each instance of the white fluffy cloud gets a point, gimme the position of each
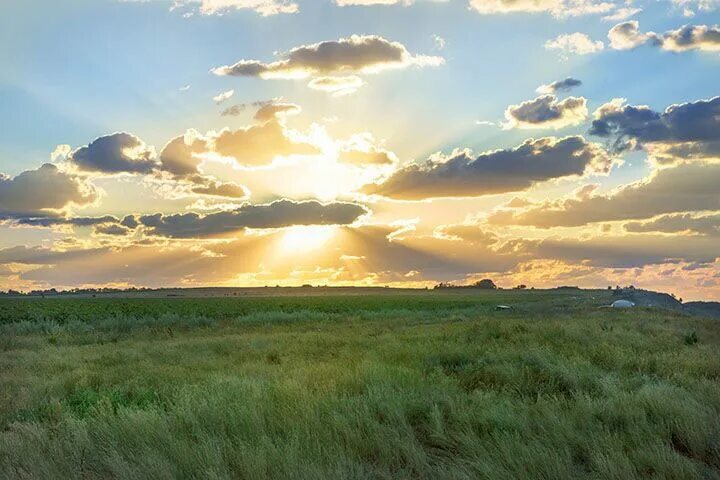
(627, 35)
(223, 96)
(575, 43)
(263, 7)
(338, 86)
(558, 8)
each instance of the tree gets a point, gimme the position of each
(486, 284)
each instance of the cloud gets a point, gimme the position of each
(684, 131)
(130, 221)
(181, 159)
(499, 171)
(368, 3)
(221, 97)
(546, 111)
(622, 14)
(558, 8)
(685, 188)
(691, 7)
(113, 154)
(281, 213)
(42, 191)
(179, 156)
(263, 7)
(236, 110)
(356, 54)
(273, 110)
(693, 37)
(627, 35)
(689, 223)
(53, 221)
(564, 85)
(364, 3)
(372, 156)
(338, 86)
(222, 189)
(627, 251)
(361, 150)
(113, 230)
(369, 255)
(466, 232)
(40, 255)
(260, 144)
(577, 43)
(351, 255)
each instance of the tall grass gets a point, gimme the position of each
(458, 392)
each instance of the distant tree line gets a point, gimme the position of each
(484, 284)
(73, 291)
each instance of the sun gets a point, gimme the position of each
(301, 238)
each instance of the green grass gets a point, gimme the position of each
(432, 385)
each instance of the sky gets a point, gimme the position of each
(156, 143)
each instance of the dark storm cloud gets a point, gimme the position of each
(494, 172)
(33, 192)
(281, 213)
(116, 153)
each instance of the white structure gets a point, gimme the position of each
(622, 304)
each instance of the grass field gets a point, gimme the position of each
(407, 385)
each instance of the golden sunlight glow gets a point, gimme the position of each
(301, 238)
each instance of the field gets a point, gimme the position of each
(379, 385)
